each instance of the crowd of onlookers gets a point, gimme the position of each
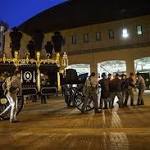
(122, 86)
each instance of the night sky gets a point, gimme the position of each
(15, 12)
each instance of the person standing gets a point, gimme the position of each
(13, 87)
(91, 91)
(141, 87)
(123, 88)
(115, 90)
(43, 96)
(109, 76)
(104, 84)
(130, 85)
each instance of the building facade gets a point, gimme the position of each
(125, 40)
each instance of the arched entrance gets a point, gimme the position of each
(143, 66)
(112, 66)
(80, 68)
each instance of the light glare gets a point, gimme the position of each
(125, 33)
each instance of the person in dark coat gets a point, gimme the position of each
(130, 86)
(123, 84)
(115, 90)
(104, 84)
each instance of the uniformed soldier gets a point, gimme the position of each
(12, 86)
(91, 91)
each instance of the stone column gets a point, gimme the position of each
(130, 65)
(93, 67)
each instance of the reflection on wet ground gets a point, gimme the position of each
(53, 126)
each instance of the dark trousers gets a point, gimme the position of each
(123, 94)
(43, 99)
(103, 101)
(140, 100)
(112, 97)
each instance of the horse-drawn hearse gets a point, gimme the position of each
(33, 72)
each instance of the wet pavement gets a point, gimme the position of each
(53, 126)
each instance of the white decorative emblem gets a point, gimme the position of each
(27, 76)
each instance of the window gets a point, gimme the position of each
(74, 39)
(111, 34)
(98, 36)
(125, 33)
(86, 38)
(139, 30)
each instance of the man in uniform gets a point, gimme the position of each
(91, 89)
(13, 87)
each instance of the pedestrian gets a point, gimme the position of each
(123, 88)
(104, 84)
(91, 92)
(115, 90)
(141, 87)
(12, 87)
(130, 86)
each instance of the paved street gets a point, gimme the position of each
(55, 127)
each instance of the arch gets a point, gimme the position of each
(142, 64)
(112, 66)
(80, 68)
